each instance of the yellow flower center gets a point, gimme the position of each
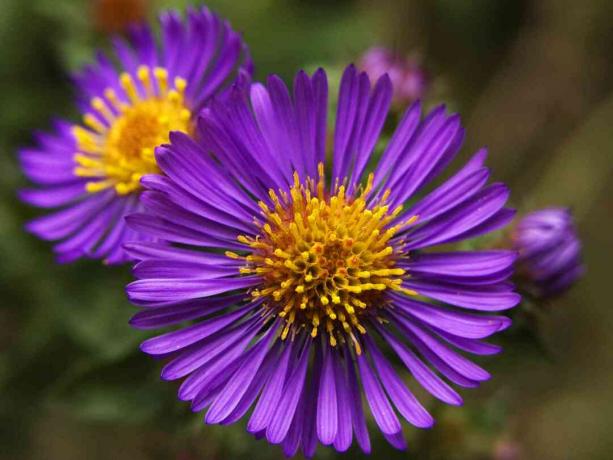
(325, 260)
(119, 151)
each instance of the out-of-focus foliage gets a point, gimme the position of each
(532, 80)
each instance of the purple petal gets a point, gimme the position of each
(193, 204)
(173, 341)
(285, 122)
(53, 197)
(380, 407)
(158, 204)
(402, 136)
(190, 167)
(426, 133)
(306, 122)
(170, 231)
(457, 323)
(320, 88)
(183, 289)
(262, 375)
(493, 298)
(495, 222)
(309, 428)
(273, 391)
(473, 346)
(427, 160)
(370, 130)
(203, 351)
(327, 417)
(266, 119)
(217, 371)
(161, 250)
(211, 380)
(357, 413)
(343, 439)
(176, 269)
(348, 98)
(456, 190)
(396, 440)
(426, 342)
(422, 373)
(291, 443)
(67, 221)
(463, 218)
(408, 406)
(280, 423)
(236, 387)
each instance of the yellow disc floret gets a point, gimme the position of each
(116, 146)
(325, 259)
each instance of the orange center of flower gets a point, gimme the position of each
(119, 151)
(325, 260)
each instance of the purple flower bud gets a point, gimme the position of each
(549, 250)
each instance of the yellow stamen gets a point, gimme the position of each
(116, 147)
(326, 260)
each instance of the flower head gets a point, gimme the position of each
(91, 170)
(300, 270)
(409, 79)
(549, 250)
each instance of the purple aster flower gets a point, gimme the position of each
(89, 173)
(408, 77)
(300, 274)
(549, 250)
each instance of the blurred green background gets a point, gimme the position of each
(532, 80)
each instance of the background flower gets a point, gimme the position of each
(90, 171)
(409, 78)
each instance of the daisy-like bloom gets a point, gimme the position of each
(91, 170)
(549, 250)
(300, 274)
(409, 79)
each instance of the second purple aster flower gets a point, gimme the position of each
(301, 270)
(89, 173)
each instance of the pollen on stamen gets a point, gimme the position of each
(326, 260)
